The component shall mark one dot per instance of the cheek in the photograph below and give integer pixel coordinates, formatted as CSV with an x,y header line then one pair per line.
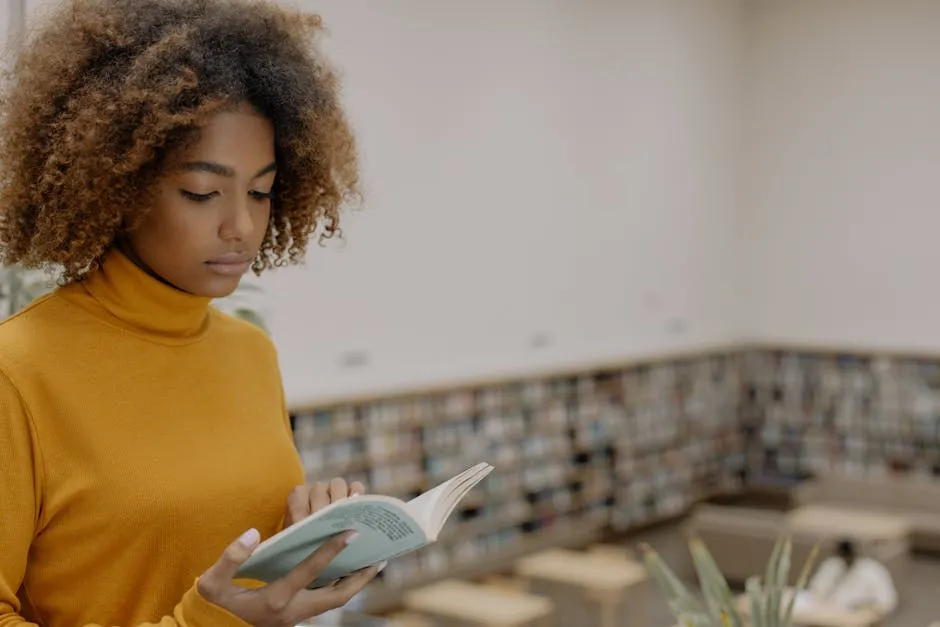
x,y
173,227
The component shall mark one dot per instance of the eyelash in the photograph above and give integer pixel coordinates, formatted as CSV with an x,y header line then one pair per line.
x,y
197,197
207,197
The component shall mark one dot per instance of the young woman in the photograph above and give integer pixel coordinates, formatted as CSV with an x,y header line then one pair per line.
x,y
153,151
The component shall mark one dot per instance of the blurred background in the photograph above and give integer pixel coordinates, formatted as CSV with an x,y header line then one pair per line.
x,y
550,183
642,253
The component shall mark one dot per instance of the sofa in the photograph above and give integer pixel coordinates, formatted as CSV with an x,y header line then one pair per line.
x,y
917,500
741,540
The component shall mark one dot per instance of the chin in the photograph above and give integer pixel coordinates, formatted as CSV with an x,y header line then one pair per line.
x,y
219,288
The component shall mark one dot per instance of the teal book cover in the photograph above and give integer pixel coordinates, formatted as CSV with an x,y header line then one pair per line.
x,y
387,527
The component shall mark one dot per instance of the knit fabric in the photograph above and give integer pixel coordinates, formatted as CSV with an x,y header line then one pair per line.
x,y
141,432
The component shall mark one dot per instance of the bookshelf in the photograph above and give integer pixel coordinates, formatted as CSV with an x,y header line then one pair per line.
x,y
581,454
810,412
576,454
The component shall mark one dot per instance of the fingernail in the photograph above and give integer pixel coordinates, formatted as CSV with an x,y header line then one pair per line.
x,y
250,538
381,567
352,538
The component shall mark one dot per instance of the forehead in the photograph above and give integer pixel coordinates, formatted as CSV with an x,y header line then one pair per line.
x,y
241,139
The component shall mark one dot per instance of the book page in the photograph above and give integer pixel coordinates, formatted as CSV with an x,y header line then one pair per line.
x,y
424,505
458,489
385,529
434,506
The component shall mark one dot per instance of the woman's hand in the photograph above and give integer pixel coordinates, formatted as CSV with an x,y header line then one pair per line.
x,y
285,602
308,499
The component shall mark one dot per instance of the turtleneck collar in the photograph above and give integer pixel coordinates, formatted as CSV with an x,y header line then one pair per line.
x,y
143,304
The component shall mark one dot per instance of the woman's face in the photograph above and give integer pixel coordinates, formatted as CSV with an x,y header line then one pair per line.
x,y
212,206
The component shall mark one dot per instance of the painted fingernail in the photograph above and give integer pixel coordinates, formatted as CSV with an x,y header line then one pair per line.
x,y
250,538
381,567
352,538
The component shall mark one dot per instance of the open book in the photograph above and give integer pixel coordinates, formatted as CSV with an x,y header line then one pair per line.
x,y
388,527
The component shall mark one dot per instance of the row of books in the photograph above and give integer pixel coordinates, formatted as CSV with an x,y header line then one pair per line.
x,y
631,446
806,413
626,447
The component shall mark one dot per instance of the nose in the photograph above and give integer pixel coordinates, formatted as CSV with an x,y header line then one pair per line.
x,y
237,223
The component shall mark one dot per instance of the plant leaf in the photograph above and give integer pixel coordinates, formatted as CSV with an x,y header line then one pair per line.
x,y
712,580
782,579
681,601
755,598
251,316
800,584
720,608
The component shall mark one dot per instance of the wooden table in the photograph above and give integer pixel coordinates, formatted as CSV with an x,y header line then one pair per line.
x,y
579,579
860,525
459,603
821,614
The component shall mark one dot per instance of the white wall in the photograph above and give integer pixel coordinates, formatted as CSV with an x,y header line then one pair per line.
x,y
842,202
549,184
9,18
538,171
567,174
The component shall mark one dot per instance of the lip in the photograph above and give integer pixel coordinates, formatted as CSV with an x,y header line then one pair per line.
x,y
232,258
230,264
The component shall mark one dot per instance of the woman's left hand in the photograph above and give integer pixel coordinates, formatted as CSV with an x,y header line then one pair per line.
x,y
308,499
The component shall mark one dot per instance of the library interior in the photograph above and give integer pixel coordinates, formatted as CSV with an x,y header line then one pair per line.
x,y
659,264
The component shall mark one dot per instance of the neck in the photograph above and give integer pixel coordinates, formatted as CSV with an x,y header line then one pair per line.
x,y
128,251
140,300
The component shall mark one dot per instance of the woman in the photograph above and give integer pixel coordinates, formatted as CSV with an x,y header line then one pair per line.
x,y
153,151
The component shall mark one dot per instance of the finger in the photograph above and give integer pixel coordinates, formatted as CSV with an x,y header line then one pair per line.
x,y
357,488
308,570
220,574
298,504
338,489
319,496
340,594
315,602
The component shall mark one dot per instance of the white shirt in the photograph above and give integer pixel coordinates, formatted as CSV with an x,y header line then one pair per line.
x,y
866,583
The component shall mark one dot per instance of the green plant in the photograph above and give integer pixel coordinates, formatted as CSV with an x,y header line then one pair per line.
x,y
236,306
19,287
769,601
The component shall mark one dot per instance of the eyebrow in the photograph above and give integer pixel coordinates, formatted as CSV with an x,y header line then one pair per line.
x,y
223,170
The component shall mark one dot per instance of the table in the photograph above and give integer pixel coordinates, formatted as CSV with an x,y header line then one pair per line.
x,y
593,589
348,619
820,614
454,602
857,524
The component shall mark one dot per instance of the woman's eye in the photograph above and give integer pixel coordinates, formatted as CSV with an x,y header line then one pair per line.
x,y
262,195
198,197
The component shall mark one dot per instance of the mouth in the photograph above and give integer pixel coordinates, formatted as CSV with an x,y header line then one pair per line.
x,y
232,264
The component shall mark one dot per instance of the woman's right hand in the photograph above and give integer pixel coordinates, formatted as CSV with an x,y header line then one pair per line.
x,y
285,602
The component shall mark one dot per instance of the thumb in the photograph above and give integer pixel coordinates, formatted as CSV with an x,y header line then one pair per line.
x,y
223,571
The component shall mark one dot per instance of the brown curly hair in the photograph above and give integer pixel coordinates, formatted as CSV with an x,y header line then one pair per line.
x,y
107,88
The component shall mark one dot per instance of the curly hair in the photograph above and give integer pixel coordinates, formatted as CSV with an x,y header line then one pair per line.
x,y
101,94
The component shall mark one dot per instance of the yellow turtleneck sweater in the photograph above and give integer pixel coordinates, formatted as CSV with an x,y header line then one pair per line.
x,y
141,432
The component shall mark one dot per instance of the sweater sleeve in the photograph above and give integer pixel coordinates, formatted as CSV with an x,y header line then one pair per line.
x,y
21,486
21,489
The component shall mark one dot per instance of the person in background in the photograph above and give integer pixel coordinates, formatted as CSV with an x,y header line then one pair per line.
x,y
153,151
850,581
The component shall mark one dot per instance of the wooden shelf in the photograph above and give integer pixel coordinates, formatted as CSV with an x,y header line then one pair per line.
x,y
574,456
807,413
380,599
618,447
